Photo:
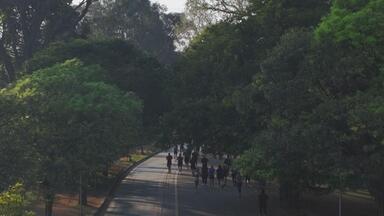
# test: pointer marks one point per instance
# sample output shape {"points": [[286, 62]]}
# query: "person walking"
{"points": [[169, 162], [263, 201], [239, 183], [233, 174], [197, 179], [211, 175], [204, 174], [247, 179], [219, 175], [204, 161], [195, 156], [180, 162], [228, 161], [193, 166], [225, 174], [175, 150], [187, 157]]}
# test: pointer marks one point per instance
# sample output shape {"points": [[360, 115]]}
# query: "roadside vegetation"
{"points": [[293, 89]]}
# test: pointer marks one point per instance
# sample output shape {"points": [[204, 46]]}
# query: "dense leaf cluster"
{"points": [[70, 119], [294, 88]]}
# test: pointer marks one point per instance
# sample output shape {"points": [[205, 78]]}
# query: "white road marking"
{"points": [[176, 196]]}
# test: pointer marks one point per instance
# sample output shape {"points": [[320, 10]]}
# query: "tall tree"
{"points": [[126, 66], [78, 123], [144, 24], [26, 26]]}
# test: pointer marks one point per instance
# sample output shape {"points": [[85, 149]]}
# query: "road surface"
{"points": [[150, 190]]}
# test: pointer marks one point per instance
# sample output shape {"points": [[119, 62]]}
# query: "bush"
{"points": [[14, 201]]}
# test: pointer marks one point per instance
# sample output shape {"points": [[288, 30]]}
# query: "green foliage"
{"points": [[27, 26], [17, 157], [253, 163], [14, 202], [144, 24], [303, 105], [73, 122], [123, 65], [358, 23]]}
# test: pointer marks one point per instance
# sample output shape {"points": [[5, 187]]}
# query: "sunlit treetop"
{"points": [[358, 23]]}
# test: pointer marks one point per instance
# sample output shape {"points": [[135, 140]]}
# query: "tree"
{"points": [[79, 123], [353, 30], [210, 70], [219, 65], [126, 67], [144, 24], [18, 159], [27, 26]]}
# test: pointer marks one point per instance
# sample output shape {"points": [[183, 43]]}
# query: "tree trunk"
{"points": [[49, 204], [380, 205], [7, 60], [106, 170], [83, 196]]}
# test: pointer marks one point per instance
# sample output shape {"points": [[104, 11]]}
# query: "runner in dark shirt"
{"points": [[211, 175], [204, 162], [263, 201], [239, 183], [228, 161], [180, 162], [175, 150], [204, 174], [220, 175], [169, 162], [187, 157]]}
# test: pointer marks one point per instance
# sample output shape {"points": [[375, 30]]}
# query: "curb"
{"points": [[119, 178]]}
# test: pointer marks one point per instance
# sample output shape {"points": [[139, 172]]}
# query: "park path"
{"points": [[149, 190]]}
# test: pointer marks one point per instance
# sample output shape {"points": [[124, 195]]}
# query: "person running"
{"points": [[239, 183], [204, 174], [193, 162], [247, 179], [225, 173], [228, 161], [169, 162], [180, 162], [197, 179], [233, 174], [219, 175], [193, 167], [263, 200], [187, 157], [204, 162], [195, 156], [175, 150], [211, 175]]}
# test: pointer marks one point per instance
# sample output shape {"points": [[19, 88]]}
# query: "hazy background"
{"points": [[172, 5]]}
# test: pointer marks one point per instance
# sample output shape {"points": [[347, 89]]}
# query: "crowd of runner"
{"points": [[209, 174]]}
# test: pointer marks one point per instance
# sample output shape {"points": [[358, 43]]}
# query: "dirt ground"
{"points": [[66, 204]]}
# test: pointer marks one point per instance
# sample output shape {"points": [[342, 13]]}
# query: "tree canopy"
{"points": [[293, 89], [291, 86]]}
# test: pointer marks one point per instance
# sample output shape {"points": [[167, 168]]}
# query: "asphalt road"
{"points": [[150, 190]]}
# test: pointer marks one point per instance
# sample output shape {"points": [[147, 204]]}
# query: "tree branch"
{"points": [[84, 12]]}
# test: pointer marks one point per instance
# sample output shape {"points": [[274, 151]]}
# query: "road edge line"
{"points": [[176, 196], [119, 178]]}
